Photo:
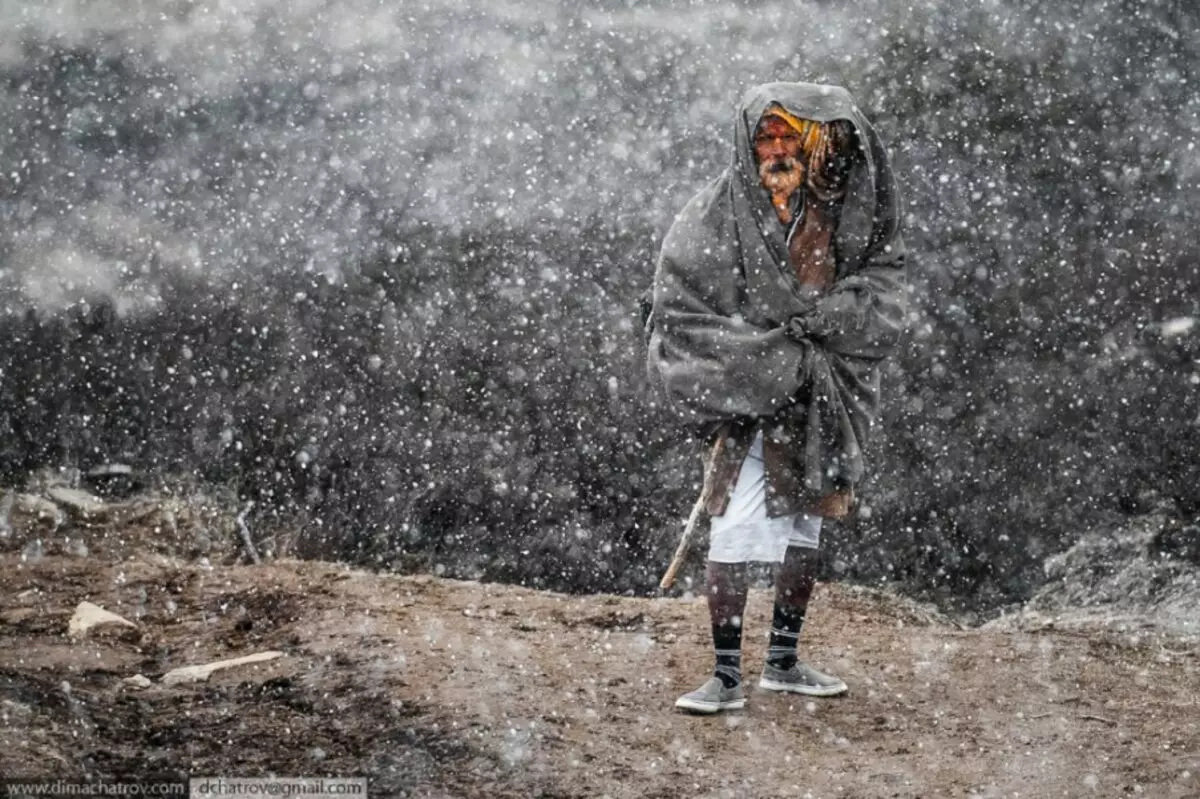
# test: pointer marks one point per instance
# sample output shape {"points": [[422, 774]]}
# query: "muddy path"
{"points": [[441, 688]]}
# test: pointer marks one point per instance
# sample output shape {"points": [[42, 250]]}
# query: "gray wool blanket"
{"points": [[724, 293]]}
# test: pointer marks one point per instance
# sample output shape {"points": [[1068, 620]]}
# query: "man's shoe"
{"points": [[713, 697], [800, 679]]}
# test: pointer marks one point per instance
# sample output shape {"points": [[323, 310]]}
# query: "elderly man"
{"points": [[778, 292]]}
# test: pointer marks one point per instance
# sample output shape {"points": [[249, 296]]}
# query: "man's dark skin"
{"points": [[794, 582], [778, 149], [778, 291]]}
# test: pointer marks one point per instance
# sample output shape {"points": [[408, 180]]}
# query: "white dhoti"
{"points": [[745, 532]]}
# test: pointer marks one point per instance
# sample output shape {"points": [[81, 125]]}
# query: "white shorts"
{"points": [[745, 532]]}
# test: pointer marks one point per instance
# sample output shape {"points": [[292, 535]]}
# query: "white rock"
{"points": [[88, 616], [79, 502], [17, 615], [186, 674], [111, 470], [40, 509], [1178, 326], [137, 681]]}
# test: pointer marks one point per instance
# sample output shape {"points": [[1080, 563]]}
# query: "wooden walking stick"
{"points": [[685, 540]]}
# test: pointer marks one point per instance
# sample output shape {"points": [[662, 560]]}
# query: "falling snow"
{"points": [[362, 278]]}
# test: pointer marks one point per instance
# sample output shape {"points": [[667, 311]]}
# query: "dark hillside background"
{"points": [[376, 266]]}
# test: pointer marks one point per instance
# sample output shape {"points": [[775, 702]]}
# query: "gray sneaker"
{"points": [[713, 697], [801, 679]]}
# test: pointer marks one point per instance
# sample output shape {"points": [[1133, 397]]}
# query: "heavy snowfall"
{"points": [[320, 335]]}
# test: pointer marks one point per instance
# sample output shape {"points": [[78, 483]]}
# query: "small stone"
{"points": [[80, 503], [42, 510], [111, 470], [17, 615], [88, 616], [137, 681]]}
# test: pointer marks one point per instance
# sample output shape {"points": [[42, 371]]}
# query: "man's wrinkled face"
{"points": [[779, 150]]}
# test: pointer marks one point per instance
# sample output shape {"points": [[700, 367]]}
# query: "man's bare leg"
{"points": [[727, 587], [793, 587], [794, 582], [727, 584]]}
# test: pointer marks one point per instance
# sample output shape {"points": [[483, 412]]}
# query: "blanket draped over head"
{"points": [[724, 293]]}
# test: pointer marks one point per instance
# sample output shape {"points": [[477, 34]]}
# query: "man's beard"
{"points": [[781, 175]]}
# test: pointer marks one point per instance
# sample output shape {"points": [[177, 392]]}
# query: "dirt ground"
{"points": [[440, 688]]}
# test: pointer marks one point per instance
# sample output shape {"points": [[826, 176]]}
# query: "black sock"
{"points": [[785, 632], [727, 640]]}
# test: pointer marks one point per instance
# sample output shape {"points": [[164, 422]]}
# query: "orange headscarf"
{"points": [[825, 146]]}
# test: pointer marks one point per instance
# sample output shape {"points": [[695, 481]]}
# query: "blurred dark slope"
{"points": [[376, 265]]}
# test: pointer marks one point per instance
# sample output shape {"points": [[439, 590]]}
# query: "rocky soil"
{"points": [[1136, 573], [440, 688]]}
